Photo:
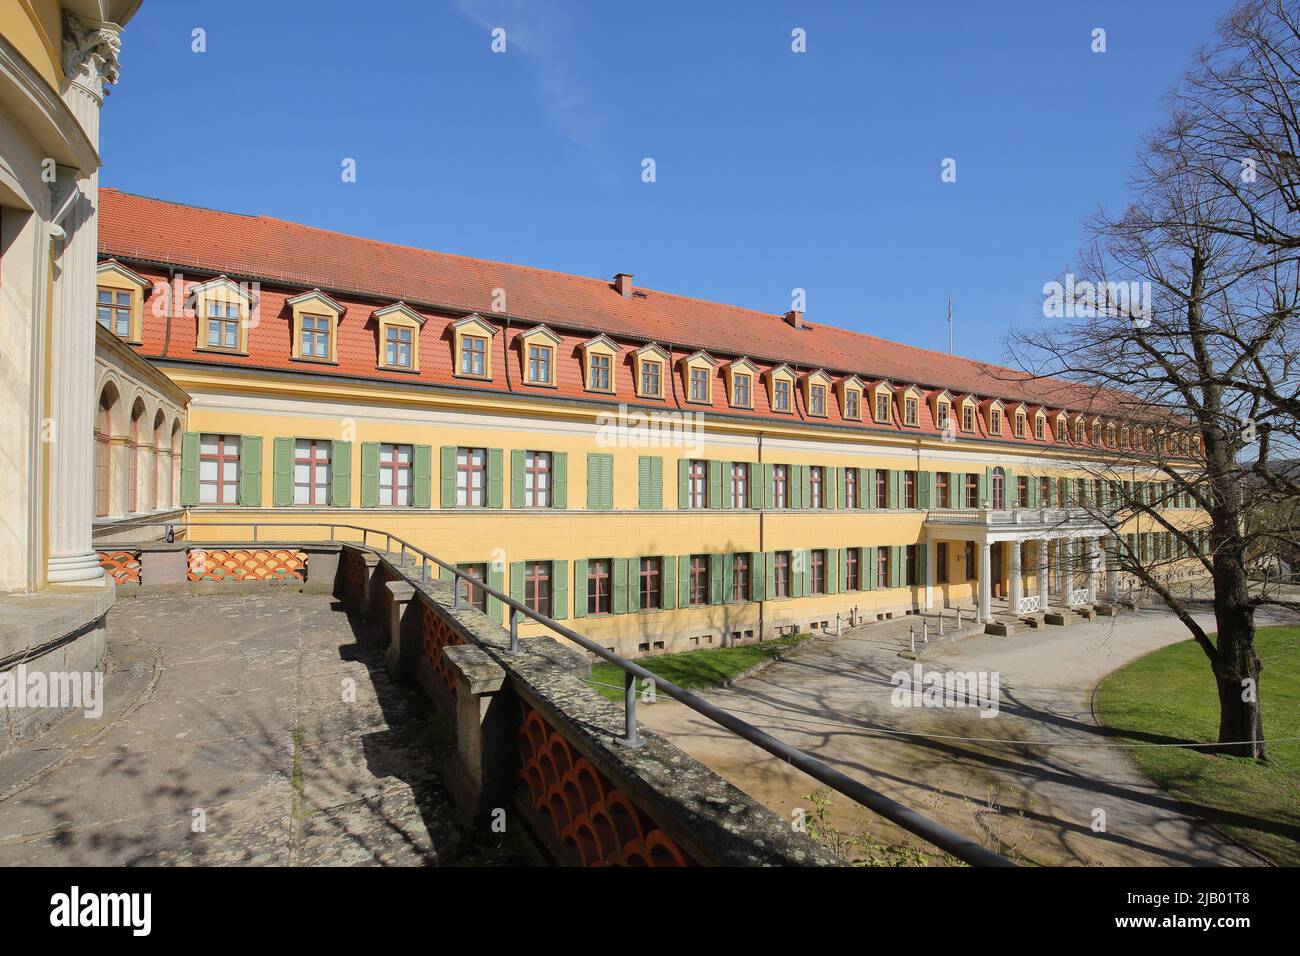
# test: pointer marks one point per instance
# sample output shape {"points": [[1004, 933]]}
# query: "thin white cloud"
{"points": [[538, 32]]}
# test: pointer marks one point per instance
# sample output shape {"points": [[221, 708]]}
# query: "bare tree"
{"points": [[1200, 365]]}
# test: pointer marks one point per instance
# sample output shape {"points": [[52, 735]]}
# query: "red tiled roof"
{"points": [[358, 271]]}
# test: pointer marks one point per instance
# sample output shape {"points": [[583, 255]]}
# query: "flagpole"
{"points": [[949, 323]]}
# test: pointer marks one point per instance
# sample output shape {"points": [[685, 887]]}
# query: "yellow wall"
{"points": [[361, 413], [34, 29]]}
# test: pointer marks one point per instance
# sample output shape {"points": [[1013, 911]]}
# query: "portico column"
{"points": [[89, 61], [1014, 583], [986, 586], [1112, 571], [1042, 574], [1094, 568]]}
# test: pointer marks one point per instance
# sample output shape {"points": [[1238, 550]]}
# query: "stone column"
{"points": [[89, 62], [1043, 599], [986, 586], [1014, 592]]}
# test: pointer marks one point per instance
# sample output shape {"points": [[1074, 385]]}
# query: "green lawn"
{"points": [[696, 669], [1169, 696]]}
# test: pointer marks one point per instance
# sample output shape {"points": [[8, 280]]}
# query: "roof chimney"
{"points": [[794, 318], [623, 284]]}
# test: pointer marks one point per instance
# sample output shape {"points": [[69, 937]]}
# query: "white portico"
{"points": [[1065, 550]]}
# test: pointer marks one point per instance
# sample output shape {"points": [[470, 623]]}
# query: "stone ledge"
{"points": [[32, 620]]}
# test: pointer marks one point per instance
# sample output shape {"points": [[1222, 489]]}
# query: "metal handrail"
{"points": [[959, 846]]}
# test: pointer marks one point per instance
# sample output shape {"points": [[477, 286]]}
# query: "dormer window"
{"points": [[399, 337], [942, 416], [741, 391], [882, 407], [817, 400], [780, 384], [651, 375], [1020, 425], [851, 398], [119, 300], [540, 358], [911, 410], [224, 308], [397, 347], [1061, 430], [473, 356], [781, 395], [537, 353], [968, 418], [472, 347], [1040, 426], [648, 363], [995, 421], [1078, 433], [598, 356], [698, 371], [113, 311], [315, 318]]}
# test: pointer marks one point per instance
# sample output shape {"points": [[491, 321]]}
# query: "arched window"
{"points": [[104, 450], [999, 489], [158, 480], [133, 458]]}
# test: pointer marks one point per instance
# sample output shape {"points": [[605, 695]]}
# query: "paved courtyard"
{"points": [[1027, 782], [253, 728]]}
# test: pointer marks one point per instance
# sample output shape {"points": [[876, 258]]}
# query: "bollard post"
{"points": [[911, 636], [941, 623], [925, 631]]}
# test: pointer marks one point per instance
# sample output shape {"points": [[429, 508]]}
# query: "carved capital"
{"points": [[90, 54]]}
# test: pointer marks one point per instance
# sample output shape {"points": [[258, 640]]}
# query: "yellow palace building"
{"points": [[670, 472]]}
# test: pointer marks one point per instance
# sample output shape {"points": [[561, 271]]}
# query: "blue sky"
{"points": [[774, 170]]}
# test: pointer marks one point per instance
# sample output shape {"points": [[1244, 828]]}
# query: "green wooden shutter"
{"points": [[897, 566], [495, 608], [844, 570], [516, 478], [683, 483], [869, 568], [986, 486], [757, 576], [517, 581], [1010, 490], [580, 587], [716, 499], [923, 490], [841, 492], [282, 472], [715, 579], [769, 575], [341, 474], [805, 588], [618, 589], [369, 474], [250, 471], [560, 479], [896, 488], [769, 487], [422, 476], [447, 476], [805, 486], [559, 590], [684, 580], [650, 483], [922, 564], [728, 577], [755, 486], [495, 478], [833, 571], [600, 482], [190, 469], [668, 581]]}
